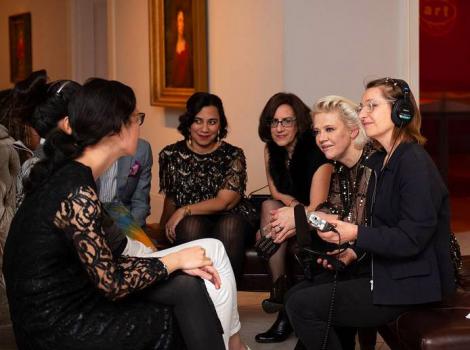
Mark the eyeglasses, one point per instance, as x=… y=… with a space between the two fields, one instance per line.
x=285 y=123
x=140 y=118
x=370 y=106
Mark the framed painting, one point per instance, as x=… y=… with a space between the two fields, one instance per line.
x=21 y=61
x=178 y=50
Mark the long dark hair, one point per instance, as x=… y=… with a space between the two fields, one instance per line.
x=98 y=109
x=55 y=106
x=18 y=104
x=301 y=111
x=195 y=103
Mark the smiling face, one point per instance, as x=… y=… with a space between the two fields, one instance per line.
x=204 y=129
x=376 y=116
x=332 y=135
x=284 y=136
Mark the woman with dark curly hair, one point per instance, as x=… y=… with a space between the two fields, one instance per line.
x=298 y=173
x=204 y=180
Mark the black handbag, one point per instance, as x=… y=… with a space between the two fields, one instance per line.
x=312 y=247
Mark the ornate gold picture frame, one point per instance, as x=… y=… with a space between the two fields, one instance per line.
x=178 y=50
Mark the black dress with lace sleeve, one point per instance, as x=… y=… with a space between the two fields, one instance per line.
x=65 y=288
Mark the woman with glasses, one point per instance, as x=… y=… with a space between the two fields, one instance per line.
x=407 y=237
x=65 y=287
x=297 y=173
x=50 y=114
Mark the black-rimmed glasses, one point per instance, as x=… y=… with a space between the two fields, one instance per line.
x=140 y=118
x=285 y=123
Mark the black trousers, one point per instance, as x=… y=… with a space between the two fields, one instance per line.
x=194 y=311
x=308 y=305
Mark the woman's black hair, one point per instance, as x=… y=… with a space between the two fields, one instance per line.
x=55 y=106
x=98 y=109
x=17 y=106
x=301 y=113
x=195 y=103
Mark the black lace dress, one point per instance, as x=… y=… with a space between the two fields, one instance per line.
x=65 y=289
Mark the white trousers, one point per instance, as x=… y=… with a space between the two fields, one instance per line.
x=225 y=298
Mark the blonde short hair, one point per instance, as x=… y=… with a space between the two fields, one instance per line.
x=347 y=111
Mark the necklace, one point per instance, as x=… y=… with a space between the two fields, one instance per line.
x=350 y=181
x=214 y=147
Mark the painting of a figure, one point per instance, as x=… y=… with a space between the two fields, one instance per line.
x=20 y=46
x=178 y=50
x=178 y=44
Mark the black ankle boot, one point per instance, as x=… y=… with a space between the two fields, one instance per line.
x=275 y=302
x=279 y=331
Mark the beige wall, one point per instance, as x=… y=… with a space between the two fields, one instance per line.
x=245 y=68
x=50 y=36
x=333 y=47
x=256 y=48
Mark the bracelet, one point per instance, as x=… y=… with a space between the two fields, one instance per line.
x=165 y=268
x=292 y=201
x=187 y=210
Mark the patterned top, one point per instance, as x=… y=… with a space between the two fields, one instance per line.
x=188 y=177
x=60 y=270
x=348 y=189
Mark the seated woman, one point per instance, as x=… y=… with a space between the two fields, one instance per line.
x=297 y=172
x=51 y=112
x=204 y=181
x=407 y=236
x=65 y=288
x=341 y=136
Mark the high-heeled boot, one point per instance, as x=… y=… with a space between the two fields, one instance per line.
x=279 y=331
x=275 y=302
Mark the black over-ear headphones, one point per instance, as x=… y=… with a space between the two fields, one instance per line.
x=402 y=109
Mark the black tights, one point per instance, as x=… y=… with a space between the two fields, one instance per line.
x=193 y=309
x=231 y=229
x=278 y=261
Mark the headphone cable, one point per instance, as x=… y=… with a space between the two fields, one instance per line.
x=332 y=301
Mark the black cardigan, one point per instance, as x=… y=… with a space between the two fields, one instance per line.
x=296 y=179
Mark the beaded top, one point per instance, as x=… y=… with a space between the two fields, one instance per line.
x=348 y=190
x=188 y=177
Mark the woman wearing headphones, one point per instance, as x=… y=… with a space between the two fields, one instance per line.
x=408 y=234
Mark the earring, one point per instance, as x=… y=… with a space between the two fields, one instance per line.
x=190 y=140
x=218 y=136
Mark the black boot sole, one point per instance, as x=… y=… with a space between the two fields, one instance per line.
x=275 y=339
x=271 y=307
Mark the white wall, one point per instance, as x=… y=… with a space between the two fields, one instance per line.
x=333 y=47
x=50 y=36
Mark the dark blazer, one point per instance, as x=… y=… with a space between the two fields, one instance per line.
x=409 y=233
